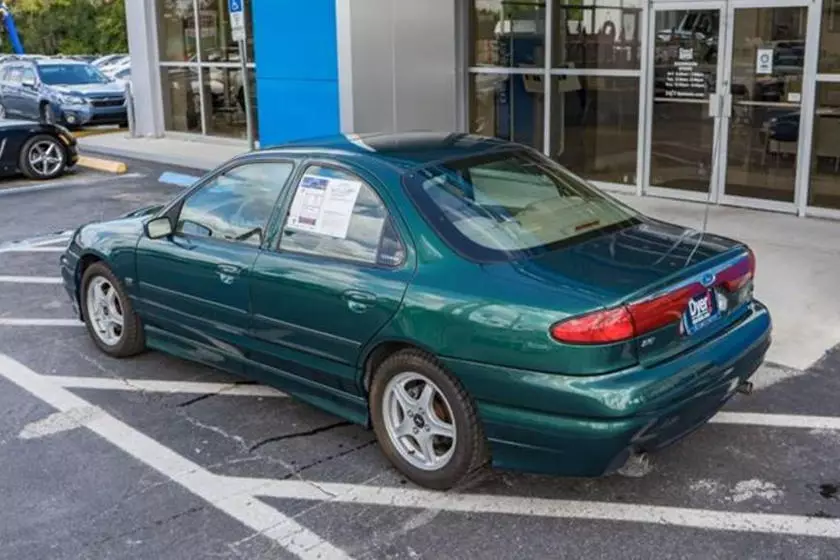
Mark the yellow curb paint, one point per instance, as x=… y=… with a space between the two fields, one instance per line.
x=94 y=132
x=106 y=165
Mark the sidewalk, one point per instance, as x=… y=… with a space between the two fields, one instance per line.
x=199 y=154
x=798 y=258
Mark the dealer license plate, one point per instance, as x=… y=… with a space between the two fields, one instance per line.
x=702 y=310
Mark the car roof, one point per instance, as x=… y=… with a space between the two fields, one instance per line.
x=60 y=62
x=405 y=150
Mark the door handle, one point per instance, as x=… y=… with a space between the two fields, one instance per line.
x=228 y=273
x=359 y=301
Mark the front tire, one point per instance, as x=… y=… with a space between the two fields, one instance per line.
x=426 y=423
x=108 y=314
x=43 y=157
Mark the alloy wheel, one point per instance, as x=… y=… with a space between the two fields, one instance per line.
x=46 y=157
x=105 y=311
x=419 y=421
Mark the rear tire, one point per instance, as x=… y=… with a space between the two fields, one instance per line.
x=410 y=424
x=108 y=314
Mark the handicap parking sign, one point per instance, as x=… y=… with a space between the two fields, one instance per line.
x=234 y=6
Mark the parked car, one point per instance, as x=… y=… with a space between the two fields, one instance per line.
x=38 y=150
x=107 y=59
x=468 y=298
x=60 y=91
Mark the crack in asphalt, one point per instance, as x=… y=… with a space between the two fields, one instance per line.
x=306 y=433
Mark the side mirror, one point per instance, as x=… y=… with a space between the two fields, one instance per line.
x=159 y=227
x=29 y=82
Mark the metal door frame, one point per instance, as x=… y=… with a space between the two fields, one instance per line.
x=680 y=5
x=806 y=110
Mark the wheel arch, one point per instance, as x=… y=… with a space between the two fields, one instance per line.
x=380 y=351
x=85 y=261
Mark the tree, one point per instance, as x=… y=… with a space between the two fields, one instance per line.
x=70 y=26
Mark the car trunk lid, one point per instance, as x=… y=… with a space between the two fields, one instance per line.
x=665 y=287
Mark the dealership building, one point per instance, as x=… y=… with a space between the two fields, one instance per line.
x=733 y=101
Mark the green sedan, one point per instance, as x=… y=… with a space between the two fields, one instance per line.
x=468 y=298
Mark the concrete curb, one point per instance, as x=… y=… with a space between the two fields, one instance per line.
x=165 y=159
x=99 y=164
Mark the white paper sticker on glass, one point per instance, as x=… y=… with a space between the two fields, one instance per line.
x=324 y=205
x=764 y=61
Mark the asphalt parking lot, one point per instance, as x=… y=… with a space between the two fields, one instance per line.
x=155 y=457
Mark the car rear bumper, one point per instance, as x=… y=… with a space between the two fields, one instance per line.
x=597 y=422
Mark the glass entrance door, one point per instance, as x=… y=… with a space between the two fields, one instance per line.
x=765 y=59
x=683 y=113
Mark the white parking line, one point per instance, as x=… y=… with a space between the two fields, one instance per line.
x=255 y=514
x=30 y=249
x=158 y=386
x=30 y=279
x=778 y=420
x=202 y=387
x=541 y=507
x=17 y=322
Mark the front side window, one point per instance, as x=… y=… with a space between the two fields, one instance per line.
x=335 y=214
x=28 y=76
x=71 y=74
x=511 y=204
x=236 y=205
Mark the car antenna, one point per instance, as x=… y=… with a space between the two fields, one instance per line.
x=717 y=98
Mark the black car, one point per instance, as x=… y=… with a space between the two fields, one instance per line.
x=38 y=150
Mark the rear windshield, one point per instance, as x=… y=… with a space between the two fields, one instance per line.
x=512 y=204
x=71 y=74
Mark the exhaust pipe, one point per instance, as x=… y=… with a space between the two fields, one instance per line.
x=745 y=388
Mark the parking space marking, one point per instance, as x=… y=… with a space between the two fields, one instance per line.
x=18 y=322
x=232 y=500
x=30 y=280
x=778 y=420
x=542 y=507
x=68 y=182
x=157 y=386
x=794 y=421
x=32 y=249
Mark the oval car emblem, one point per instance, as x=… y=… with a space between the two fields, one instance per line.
x=708 y=279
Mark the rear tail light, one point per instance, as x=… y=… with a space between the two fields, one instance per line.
x=641 y=317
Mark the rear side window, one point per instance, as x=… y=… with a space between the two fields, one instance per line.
x=511 y=204
x=13 y=75
x=335 y=214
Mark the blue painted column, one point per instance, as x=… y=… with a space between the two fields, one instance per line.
x=297 y=69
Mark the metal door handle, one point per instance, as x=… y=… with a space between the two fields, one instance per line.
x=228 y=273
x=359 y=301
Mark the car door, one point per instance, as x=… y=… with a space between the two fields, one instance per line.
x=11 y=91
x=194 y=286
x=337 y=276
x=27 y=98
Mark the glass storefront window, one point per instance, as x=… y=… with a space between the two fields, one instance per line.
x=825 y=153
x=217 y=44
x=507 y=33
x=224 y=99
x=594 y=126
x=214 y=71
x=602 y=34
x=509 y=107
x=176 y=30
x=181 y=99
x=829 y=61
